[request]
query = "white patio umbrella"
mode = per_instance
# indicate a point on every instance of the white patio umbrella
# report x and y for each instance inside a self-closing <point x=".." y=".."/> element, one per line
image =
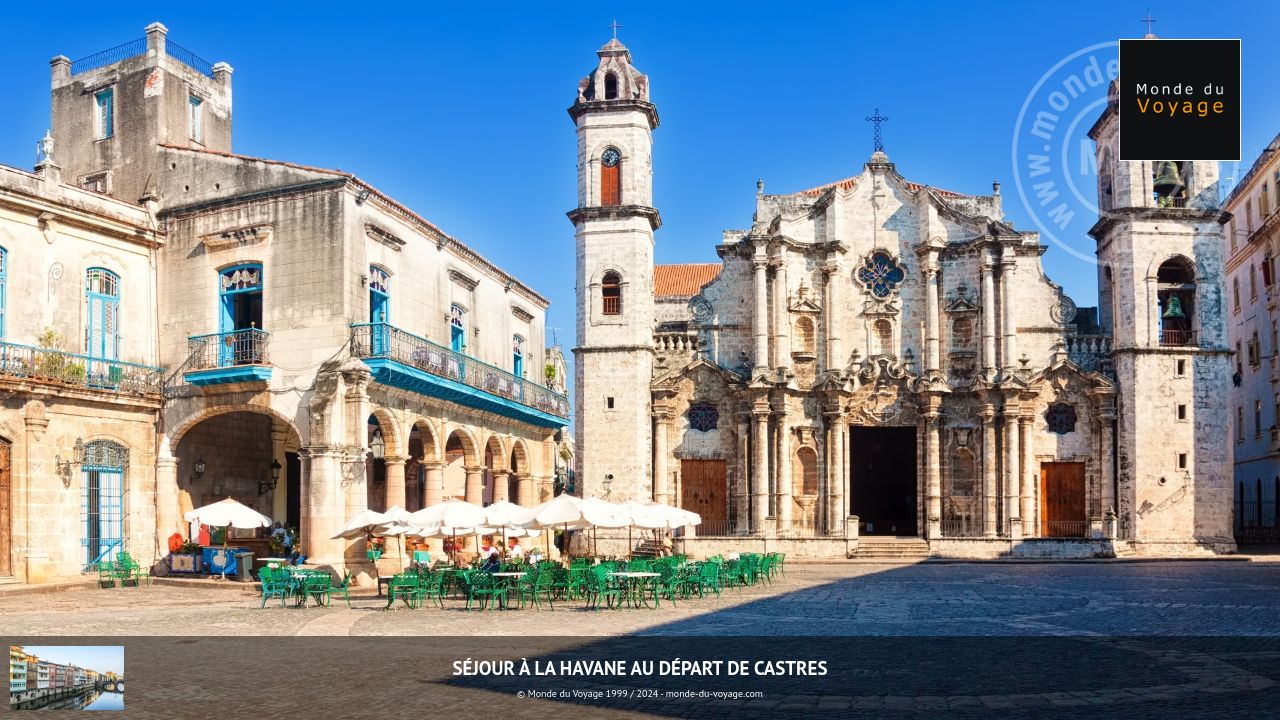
<point x="657" y="516"/>
<point x="361" y="524"/>
<point x="396" y="530"/>
<point x="450" y="513"/>
<point x="570" y="511"/>
<point x="227" y="513"/>
<point x="505" y="515"/>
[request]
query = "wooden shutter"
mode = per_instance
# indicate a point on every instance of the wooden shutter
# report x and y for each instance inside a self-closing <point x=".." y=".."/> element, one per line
<point x="611" y="185"/>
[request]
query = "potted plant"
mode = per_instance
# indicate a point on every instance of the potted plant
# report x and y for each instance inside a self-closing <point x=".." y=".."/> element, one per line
<point x="187" y="558"/>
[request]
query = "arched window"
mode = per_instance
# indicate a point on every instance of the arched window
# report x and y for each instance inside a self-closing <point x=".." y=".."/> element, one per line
<point x="458" y="328"/>
<point x="1176" y="290"/>
<point x="102" y="326"/>
<point x="611" y="293"/>
<point x="610" y="177"/>
<point x="102" y="501"/>
<point x="610" y="86"/>
<point x="517" y="356"/>
<point x="804" y="336"/>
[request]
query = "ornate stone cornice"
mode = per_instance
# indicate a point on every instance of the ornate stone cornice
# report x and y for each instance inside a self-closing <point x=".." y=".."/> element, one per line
<point x="616" y="212"/>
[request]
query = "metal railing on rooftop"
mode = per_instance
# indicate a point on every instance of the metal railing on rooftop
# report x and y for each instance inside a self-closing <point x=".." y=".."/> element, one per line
<point x="382" y="340"/>
<point x="109" y="56"/>
<point x="188" y="58"/>
<point x="63" y="368"/>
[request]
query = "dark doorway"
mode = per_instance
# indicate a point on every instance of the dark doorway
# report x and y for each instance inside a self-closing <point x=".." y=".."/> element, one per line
<point x="293" y="490"/>
<point x="882" y="478"/>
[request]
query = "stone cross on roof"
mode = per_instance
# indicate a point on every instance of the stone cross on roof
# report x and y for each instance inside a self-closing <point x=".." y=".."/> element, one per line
<point x="614" y="26"/>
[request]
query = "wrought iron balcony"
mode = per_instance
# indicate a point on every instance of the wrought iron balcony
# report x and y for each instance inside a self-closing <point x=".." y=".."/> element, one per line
<point x="62" y="368"/>
<point x="231" y="356"/>
<point x="411" y="362"/>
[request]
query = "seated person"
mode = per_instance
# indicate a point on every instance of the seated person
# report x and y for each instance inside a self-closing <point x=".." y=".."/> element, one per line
<point x="515" y="553"/>
<point x="490" y="563"/>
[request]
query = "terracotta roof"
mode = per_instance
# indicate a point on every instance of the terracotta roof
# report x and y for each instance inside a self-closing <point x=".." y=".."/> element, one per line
<point x="683" y="280"/>
<point x="915" y="187"/>
<point x="851" y="182"/>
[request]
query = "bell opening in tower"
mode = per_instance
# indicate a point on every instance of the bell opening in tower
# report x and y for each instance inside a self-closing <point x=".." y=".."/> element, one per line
<point x="1168" y="183"/>
<point x="1176" y="291"/>
<point x="882" y="480"/>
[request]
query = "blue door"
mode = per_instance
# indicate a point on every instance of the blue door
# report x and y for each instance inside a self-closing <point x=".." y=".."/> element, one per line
<point x="102" y="324"/>
<point x="379" y="309"/>
<point x="240" y="319"/>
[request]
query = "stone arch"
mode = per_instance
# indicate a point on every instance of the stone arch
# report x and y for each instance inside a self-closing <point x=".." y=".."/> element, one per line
<point x="426" y="446"/>
<point x="466" y="442"/>
<point x="186" y="424"/>
<point x="1162" y="261"/>
<point x="519" y="463"/>
<point x="495" y="453"/>
<point x="396" y="446"/>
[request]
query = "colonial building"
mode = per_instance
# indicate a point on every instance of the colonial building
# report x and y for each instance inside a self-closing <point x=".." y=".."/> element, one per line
<point x="1253" y="242"/>
<point x="326" y="348"/>
<point x="876" y="357"/>
<point x="78" y="372"/>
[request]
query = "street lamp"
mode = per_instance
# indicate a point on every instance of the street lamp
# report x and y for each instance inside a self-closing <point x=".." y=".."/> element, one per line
<point x="66" y="468"/>
<point x="378" y="445"/>
<point x="264" y="487"/>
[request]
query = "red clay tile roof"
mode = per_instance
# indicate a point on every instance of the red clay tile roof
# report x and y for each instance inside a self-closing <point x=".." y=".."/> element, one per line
<point x="849" y="183"/>
<point x="683" y="280"/>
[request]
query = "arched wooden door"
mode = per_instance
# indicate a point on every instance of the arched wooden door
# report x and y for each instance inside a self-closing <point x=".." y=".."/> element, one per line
<point x="6" y="510"/>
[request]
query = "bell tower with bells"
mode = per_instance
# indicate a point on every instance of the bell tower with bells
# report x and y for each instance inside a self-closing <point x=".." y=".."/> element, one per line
<point x="1161" y="286"/>
<point x="614" y="222"/>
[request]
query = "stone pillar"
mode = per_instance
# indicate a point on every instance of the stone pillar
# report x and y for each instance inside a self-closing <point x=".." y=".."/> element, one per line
<point x="933" y="470"/>
<point x="1106" y="466"/>
<point x="33" y="565"/>
<point x="395" y="493"/>
<point x="168" y="518"/>
<point x="990" y="499"/>
<point x="839" y="463"/>
<point x="525" y="496"/>
<point x="781" y="313"/>
<point x="501" y="486"/>
<point x="434" y="491"/>
<point x="661" y="476"/>
<point x="830" y="304"/>
<point x="323" y="505"/>
<point x="156" y="33"/>
<point x="1008" y="265"/>
<point x="1013" y="491"/>
<point x="932" y="357"/>
<point x="280" y="494"/>
<point x="473" y="490"/>
<point x="1029" y="479"/>
<point x="742" y="481"/>
<point x="782" y="481"/>
<point x="760" y="319"/>
<point x="989" y="363"/>
<point x="759" y="470"/>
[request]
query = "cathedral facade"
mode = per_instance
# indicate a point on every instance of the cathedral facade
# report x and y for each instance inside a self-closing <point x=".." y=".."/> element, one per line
<point x="875" y="360"/>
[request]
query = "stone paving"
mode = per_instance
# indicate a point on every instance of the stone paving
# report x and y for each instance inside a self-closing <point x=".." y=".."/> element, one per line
<point x="1174" y="598"/>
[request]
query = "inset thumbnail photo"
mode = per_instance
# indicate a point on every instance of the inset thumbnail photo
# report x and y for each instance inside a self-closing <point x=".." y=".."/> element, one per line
<point x="66" y="677"/>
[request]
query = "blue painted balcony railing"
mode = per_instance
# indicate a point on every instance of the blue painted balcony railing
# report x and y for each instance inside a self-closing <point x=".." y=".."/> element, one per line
<point x="405" y="360"/>
<point x="231" y="356"/>
<point x="55" y="366"/>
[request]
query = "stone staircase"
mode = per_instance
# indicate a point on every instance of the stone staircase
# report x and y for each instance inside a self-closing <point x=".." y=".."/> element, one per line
<point x="889" y="548"/>
<point x="8" y="580"/>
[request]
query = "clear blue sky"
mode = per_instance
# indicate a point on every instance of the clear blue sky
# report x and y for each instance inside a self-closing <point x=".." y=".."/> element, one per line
<point x="459" y="112"/>
<point x="103" y="658"/>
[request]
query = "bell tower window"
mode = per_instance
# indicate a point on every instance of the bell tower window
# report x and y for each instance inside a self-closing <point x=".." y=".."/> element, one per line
<point x="611" y="293"/>
<point x="610" y="86"/>
<point x="610" y="177"/>
<point x="1176" y="290"/>
<point x="1168" y="184"/>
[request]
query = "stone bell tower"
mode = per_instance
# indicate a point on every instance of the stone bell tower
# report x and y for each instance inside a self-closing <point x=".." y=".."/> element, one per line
<point x="614" y="223"/>
<point x="1161" y="285"/>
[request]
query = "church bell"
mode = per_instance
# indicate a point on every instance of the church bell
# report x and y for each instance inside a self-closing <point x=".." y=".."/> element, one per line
<point x="1174" y="310"/>
<point x="1168" y="178"/>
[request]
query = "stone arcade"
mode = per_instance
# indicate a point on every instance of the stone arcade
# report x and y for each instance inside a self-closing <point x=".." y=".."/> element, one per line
<point x="877" y="357"/>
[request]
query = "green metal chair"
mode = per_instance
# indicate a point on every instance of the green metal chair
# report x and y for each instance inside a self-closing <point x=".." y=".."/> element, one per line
<point x="600" y="587"/>
<point x="485" y="590"/>
<point x="318" y="586"/>
<point x="666" y="585"/>
<point x="407" y="586"/>
<point x="274" y="584"/>
<point x="106" y="574"/>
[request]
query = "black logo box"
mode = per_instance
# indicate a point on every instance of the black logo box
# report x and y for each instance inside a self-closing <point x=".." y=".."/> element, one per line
<point x="1187" y="68"/>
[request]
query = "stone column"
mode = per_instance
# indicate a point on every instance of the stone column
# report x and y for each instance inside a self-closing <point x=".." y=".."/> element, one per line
<point x="168" y="519"/>
<point x="837" y="511"/>
<point x="501" y="485"/>
<point x="830" y="304"/>
<point x="433" y="493"/>
<point x="395" y="493"/>
<point x="781" y="313"/>
<point x="990" y="499"/>
<point x="933" y="470"/>
<point x="473" y="491"/>
<point x="1008" y="266"/>
<point x="1029" y="480"/>
<point x="661" y="476"/>
<point x="742" y="481"/>
<point x="932" y="358"/>
<point x="280" y="494"/>
<point x="323" y="505"/>
<point x="782" y="483"/>
<point x="1106" y="467"/>
<point x="760" y="319"/>
<point x="989" y="364"/>
<point x="34" y="561"/>
<point x="759" y="470"/>
<point x="1013" y="491"/>
<point x="525" y="491"/>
